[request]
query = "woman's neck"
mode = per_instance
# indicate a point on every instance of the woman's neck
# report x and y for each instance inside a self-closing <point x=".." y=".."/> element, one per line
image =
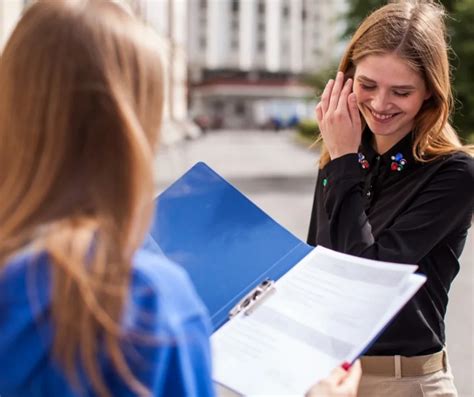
<point x="382" y="144"/>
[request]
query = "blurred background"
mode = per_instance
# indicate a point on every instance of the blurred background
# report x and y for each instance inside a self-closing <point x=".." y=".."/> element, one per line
<point x="258" y="64"/>
<point x="242" y="79"/>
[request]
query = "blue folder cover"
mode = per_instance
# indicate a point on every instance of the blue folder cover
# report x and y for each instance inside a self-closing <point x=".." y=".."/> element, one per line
<point x="225" y="242"/>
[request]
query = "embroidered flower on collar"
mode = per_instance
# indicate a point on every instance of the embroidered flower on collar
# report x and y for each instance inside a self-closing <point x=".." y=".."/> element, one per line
<point x="362" y="161"/>
<point x="398" y="162"/>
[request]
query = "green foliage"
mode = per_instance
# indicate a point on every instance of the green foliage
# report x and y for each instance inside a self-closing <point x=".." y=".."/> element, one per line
<point x="320" y="79"/>
<point x="308" y="128"/>
<point x="462" y="42"/>
<point x="357" y="11"/>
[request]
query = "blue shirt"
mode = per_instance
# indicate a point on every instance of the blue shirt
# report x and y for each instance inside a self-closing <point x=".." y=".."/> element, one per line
<point x="162" y="303"/>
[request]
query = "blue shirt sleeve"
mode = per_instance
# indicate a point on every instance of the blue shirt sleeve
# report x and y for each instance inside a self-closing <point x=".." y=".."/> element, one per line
<point x="164" y="305"/>
<point x="167" y="332"/>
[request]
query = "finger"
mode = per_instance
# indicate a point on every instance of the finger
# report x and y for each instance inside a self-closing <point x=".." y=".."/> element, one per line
<point x="319" y="114"/>
<point x="336" y="92"/>
<point x="354" y="111"/>
<point x="346" y="90"/>
<point x="336" y="376"/>
<point x="325" y="96"/>
<point x="352" y="378"/>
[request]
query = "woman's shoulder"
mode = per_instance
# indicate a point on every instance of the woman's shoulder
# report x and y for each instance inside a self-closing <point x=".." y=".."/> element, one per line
<point x="457" y="163"/>
<point x="163" y="287"/>
<point x="460" y="157"/>
<point x="24" y="308"/>
<point x="24" y="270"/>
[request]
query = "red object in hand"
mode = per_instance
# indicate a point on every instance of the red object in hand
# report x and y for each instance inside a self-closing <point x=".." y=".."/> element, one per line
<point x="346" y="366"/>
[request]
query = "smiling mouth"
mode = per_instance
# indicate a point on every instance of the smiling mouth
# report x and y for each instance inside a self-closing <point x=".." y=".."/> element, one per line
<point x="381" y="116"/>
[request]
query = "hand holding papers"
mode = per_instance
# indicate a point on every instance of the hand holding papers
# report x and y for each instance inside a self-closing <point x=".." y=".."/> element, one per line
<point x="319" y="307"/>
<point x="326" y="310"/>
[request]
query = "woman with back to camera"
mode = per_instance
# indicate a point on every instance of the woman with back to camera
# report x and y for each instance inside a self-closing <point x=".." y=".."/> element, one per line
<point x="83" y="310"/>
<point x="395" y="183"/>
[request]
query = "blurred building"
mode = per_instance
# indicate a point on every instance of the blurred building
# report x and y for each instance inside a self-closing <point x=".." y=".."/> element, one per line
<point x="10" y="11"/>
<point x="169" y="19"/>
<point x="247" y="58"/>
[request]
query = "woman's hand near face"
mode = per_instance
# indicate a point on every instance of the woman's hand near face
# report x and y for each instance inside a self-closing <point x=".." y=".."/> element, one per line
<point x="338" y="117"/>
<point x="340" y="383"/>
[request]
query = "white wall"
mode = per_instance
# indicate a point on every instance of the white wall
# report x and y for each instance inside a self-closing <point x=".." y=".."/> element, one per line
<point x="10" y="11"/>
<point x="290" y="44"/>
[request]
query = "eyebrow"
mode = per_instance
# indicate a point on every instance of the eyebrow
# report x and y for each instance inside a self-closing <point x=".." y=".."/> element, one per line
<point x="400" y="87"/>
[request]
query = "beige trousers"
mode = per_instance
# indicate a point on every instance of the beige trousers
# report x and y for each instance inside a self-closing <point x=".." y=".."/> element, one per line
<point x="437" y="384"/>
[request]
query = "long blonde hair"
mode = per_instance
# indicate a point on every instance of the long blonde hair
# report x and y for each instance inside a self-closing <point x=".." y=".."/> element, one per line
<point x="415" y="31"/>
<point x="80" y="110"/>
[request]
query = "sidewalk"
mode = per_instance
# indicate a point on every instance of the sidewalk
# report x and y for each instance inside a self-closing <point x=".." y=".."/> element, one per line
<point x="239" y="154"/>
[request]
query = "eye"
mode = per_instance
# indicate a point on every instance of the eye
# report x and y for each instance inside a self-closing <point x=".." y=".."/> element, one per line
<point x="367" y="87"/>
<point x="402" y="94"/>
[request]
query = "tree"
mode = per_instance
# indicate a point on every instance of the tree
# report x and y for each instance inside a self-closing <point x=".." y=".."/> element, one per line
<point x="462" y="33"/>
<point x="357" y="11"/>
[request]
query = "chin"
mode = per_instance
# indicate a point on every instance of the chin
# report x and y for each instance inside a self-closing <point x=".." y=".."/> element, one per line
<point x="379" y="130"/>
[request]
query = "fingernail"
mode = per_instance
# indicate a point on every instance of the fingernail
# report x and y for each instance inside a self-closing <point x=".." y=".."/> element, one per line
<point x="346" y="366"/>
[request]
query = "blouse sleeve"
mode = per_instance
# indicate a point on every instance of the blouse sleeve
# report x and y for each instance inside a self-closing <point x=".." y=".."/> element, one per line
<point x="169" y="329"/>
<point x="433" y="213"/>
<point x="188" y="372"/>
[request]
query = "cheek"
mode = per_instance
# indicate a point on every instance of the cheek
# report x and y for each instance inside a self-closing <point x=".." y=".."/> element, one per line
<point x="412" y="106"/>
<point x="361" y="95"/>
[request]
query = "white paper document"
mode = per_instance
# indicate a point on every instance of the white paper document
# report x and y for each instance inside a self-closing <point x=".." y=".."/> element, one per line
<point x="326" y="310"/>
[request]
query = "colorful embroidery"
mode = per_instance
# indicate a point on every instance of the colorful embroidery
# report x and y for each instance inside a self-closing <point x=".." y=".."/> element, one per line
<point x="362" y="161"/>
<point x="398" y="162"/>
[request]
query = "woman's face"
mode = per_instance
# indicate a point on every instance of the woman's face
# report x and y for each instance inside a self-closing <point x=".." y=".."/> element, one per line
<point x="389" y="94"/>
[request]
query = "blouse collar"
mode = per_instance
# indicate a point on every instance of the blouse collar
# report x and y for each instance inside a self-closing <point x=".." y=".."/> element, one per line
<point x="401" y="153"/>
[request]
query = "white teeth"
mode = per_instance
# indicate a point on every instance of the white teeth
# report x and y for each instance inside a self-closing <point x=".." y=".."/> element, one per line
<point x="381" y="116"/>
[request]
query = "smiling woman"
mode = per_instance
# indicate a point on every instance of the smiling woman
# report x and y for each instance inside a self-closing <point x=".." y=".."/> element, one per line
<point x="389" y="94"/>
<point x="392" y="183"/>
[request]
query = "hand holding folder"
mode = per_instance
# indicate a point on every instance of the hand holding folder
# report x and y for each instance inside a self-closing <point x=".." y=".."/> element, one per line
<point x="284" y="314"/>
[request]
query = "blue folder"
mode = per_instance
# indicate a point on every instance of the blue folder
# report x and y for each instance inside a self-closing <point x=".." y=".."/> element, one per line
<point x="225" y="242"/>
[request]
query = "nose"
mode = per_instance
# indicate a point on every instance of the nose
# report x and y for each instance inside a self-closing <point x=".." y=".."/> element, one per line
<point x="380" y="102"/>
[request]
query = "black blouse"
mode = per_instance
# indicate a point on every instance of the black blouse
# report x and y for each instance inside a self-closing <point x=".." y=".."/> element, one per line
<point x="392" y="208"/>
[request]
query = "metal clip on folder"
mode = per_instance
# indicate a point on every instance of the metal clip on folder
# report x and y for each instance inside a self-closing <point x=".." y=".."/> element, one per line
<point x="254" y="298"/>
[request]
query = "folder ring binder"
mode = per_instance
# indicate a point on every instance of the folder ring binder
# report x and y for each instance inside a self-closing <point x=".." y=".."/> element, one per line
<point x="255" y="297"/>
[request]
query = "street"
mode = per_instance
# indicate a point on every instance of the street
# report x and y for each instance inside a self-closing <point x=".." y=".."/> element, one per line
<point x="278" y="174"/>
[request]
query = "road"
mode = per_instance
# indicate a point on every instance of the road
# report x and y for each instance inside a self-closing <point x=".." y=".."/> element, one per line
<point x="277" y="172"/>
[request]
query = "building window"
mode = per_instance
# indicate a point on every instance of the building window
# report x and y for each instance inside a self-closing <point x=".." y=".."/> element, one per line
<point x="239" y="109"/>
<point x="234" y="44"/>
<point x="261" y="45"/>
<point x="261" y="7"/>
<point x="202" y="42"/>
<point x="235" y="5"/>
<point x="218" y="106"/>
<point x="203" y="4"/>
<point x="285" y="11"/>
